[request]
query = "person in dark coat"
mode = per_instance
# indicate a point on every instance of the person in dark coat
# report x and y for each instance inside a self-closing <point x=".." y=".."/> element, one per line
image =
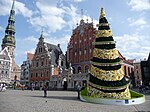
<point x="45" y="90"/>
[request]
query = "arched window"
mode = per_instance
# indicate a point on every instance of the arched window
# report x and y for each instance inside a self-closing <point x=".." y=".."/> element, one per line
<point x="86" y="69"/>
<point x="79" y="69"/>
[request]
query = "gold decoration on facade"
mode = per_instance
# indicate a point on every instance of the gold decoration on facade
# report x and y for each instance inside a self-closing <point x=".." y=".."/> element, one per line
<point x="112" y="75"/>
<point x="105" y="54"/>
<point x="103" y="33"/>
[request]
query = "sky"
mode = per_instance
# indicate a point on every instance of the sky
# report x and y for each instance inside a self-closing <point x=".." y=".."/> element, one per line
<point x="129" y="21"/>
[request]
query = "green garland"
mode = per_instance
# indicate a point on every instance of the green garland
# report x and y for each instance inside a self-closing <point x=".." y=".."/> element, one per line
<point x="97" y="81"/>
<point x="103" y="20"/>
<point x="106" y="46"/>
<point x="95" y="59"/>
<point x="103" y="28"/>
<point x="104" y="39"/>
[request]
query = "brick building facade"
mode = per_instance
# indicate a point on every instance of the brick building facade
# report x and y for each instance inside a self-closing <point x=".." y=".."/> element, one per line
<point x="48" y="61"/>
<point x="80" y="48"/>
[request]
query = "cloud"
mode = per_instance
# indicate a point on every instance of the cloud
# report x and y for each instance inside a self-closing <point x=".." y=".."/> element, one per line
<point x="20" y="8"/>
<point x="78" y="0"/>
<point x="31" y="39"/>
<point x="5" y="7"/>
<point x="49" y="16"/>
<point x="139" y="5"/>
<point x="30" y="51"/>
<point x="139" y="24"/>
<point x="63" y="41"/>
<point x="131" y="46"/>
<point x="23" y="10"/>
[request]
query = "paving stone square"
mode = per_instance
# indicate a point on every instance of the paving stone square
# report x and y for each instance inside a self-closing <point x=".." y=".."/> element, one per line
<point x="58" y="101"/>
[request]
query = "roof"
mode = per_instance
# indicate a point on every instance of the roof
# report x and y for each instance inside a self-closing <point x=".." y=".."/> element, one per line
<point x="4" y="54"/>
<point x="124" y="59"/>
<point x="30" y="56"/>
<point x="54" y="51"/>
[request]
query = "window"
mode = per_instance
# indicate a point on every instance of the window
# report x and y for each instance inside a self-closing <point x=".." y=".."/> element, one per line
<point x="85" y="51"/>
<point x="37" y="64"/>
<point x="86" y="69"/>
<point x="39" y="50"/>
<point x="62" y="63"/>
<point x="41" y="74"/>
<point x="31" y="75"/>
<point x="36" y="75"/>
<point x="80" y="52"/>
<point x="47" y="74"/>
<point x="75" y="53"/>
<point x="79" y="69"/>
<point x="46" y="61"/>
<point x="42" y="63"/>
<point x="90" y="50"/>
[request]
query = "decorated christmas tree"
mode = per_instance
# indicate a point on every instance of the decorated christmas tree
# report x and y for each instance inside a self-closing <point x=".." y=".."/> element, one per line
<point x="107" y="79"/>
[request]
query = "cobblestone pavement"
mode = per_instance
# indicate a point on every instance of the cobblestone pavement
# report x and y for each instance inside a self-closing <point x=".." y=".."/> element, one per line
<point x="58" y="101"/>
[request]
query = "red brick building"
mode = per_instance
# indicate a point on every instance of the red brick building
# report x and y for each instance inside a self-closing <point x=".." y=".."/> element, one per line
<point x="80" y="47"/>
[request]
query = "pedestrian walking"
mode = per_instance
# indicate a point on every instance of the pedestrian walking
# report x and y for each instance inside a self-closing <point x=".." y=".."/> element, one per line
<point x="32" y="86"/>
<point x="45" y="88"/>
<point x="78" y="90"/>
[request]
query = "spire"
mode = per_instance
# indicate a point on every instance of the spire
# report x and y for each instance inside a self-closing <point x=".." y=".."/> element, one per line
<point x="13" y="5"/>
<point x="81" y="13"/>
<point x="41" y="39"/>
<point x="9" y="38"/>
<point x="81" y="21"/>
<point x="102" y="13"/>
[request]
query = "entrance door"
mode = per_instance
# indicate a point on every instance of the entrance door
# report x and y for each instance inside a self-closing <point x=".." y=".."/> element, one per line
<point x="65" y="85"/>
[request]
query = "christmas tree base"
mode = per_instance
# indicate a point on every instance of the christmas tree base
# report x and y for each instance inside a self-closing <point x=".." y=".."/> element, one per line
<point x="136" y="98"/>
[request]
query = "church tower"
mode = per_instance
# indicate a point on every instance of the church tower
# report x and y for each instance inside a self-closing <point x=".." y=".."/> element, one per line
<point x="9" y="38"/>
<point x="9" y="44"/>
